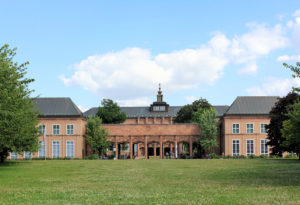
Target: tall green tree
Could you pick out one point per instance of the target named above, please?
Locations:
(110, 112)
(291, 130)
(278, 114)
(185, 114)
(96, 136)
(18, 120)
(206, 119)
(296, 72)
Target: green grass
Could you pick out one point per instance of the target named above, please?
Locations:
(245, 181)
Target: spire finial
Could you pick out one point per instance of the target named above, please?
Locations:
(159, 86)
(159, 95)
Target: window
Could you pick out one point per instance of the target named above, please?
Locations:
(70, 149)
(263, 129)
(250, 128)
(27, 155)
(159, 108)
(42, 130)
(264, 147)
(235, 147)
(13, 155)
(250, 147)
(70, 129)
(55, 149)
(235, 128)
(55, 129)
(42, 149)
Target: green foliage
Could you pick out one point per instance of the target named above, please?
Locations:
(291, 130)
(110, 112)
(296, 70)
(185, 114)
(278, 114)
(18, 120)
(92, 157)
(96, 136)
(206, 119)
(214, 156)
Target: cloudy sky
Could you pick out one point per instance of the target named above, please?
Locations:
(90, 50)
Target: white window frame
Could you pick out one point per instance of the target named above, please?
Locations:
(44, 131)
(30, 156)
(247, 128)
(44, 147)
(16, 154)
(58, 149)
(67, 129)
(265, 128)
(247, 146)
(53, 129)
(73, 148)
(239, 128)
(239, 147)
(266, 141)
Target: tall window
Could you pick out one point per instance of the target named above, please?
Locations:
(70, 129)
(70, 149)
(42, 130)
(263, 129)
(235, 128)
(250, 147)
(235, 147)
(27, 155)
(55, 129)
(13, 155)
(264, 147)
(55, 149)
(250, 128)
(42, 149)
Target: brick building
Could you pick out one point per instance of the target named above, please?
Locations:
(150, 131)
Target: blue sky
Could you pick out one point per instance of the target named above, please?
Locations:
(89, 50)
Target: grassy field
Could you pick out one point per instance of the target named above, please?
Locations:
(243, 181)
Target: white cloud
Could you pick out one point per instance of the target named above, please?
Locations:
(275, 86)
(135, 102)
(294, 26)
(297, 13)
(288, 58)
(134, 72)
(190, 99)
(82, 108)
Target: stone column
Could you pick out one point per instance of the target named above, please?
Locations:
(146, 147)
(160, 149)
(137, 149)
(191, 147)
(131, 148)
(117, 152)
(176, 148)
(154, 148)
(171, 150)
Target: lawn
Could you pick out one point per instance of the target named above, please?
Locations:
(230, 181)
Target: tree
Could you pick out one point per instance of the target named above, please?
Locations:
(291, 130)
(278, 114)
(18, 119)
(185, 114)
(110, 112)
(296, 70)
(206, 119)
(96, 136)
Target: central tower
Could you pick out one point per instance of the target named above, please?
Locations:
(159, 105)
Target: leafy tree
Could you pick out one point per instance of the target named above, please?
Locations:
(296, 70)
(96, 136)
(291, 130)
(18, 120)
(185, 114)
(110, 112)
(206, 119)
(278, 114)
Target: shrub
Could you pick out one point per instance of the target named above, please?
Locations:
(92, 156)
(252, 156)
(214, 156)
(291, 156)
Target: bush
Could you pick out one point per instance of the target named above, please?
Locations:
(291, 156)
(214, 156)
(263, 156)
(92, 157)
(252, 156)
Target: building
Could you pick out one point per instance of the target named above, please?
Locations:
(151, 131)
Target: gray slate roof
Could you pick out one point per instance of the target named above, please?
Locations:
(252, 105)
(56, 107)
(132, 112)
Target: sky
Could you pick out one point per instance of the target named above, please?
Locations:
(121, 50)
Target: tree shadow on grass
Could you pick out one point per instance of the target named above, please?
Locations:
(9, 163)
